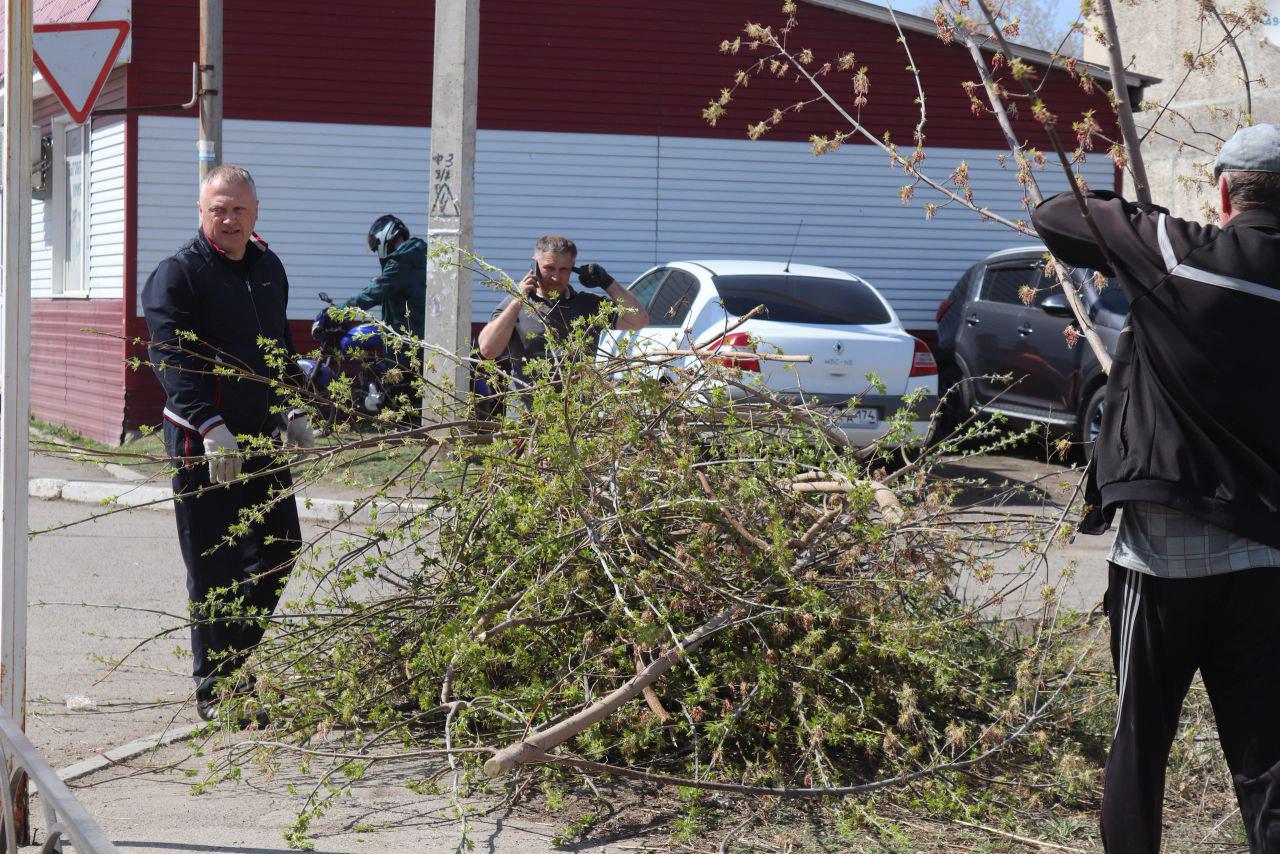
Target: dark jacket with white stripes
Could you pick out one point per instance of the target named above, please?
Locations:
(1192, 417)
(197, 290)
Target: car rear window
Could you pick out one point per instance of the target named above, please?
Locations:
(802, 299)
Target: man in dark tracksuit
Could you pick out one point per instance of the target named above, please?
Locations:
(227, 289)
(1190, 449)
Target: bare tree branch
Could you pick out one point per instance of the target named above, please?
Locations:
(1124, 110)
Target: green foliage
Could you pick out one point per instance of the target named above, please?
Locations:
(539, 557)
(615, 508)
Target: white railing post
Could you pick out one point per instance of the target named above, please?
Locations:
(65, 818)
(16, 371)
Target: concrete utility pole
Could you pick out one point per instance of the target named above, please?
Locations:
(451, 217)
(209, 146)
(18, 69)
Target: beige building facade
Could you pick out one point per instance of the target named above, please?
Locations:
(1204, 107)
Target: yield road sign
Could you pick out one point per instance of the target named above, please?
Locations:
(76, 60)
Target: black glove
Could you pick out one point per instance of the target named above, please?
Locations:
(594, 276)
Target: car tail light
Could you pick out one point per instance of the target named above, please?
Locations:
(922, 362)
(734, 341)
(943, 308)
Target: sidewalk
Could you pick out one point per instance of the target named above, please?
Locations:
(97, 589)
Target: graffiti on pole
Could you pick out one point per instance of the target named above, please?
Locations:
(443, 201)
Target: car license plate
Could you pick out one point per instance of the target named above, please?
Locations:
(858, 418)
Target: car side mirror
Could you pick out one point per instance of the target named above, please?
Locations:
(1055, 305)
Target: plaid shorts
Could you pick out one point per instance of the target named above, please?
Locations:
(1159, 540)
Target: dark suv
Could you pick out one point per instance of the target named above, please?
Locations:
(985, 329)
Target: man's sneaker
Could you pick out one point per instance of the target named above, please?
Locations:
(210, 709)
(207, 709)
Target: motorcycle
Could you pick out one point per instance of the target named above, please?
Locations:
(351, 347)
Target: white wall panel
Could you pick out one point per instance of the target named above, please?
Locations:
(41, 248)
(747, 200)
(629, 202)
(320, 187)
(597, 189)
(106, 211)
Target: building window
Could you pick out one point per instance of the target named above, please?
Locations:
(71, 197)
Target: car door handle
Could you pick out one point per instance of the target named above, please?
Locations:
(972, 320)
(1025, 329)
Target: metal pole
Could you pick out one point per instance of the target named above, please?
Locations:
(17, 373)
(451, 216)
(209, 146)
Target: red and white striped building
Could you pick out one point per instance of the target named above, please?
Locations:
(589, 125)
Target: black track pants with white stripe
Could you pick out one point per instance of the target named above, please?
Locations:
(254, 568)
(1162, 631)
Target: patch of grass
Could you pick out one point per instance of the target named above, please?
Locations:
(145, 454)
(372, 470)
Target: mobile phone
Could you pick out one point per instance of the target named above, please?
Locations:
(533, 268)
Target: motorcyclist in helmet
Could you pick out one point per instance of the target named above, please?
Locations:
(401, 287)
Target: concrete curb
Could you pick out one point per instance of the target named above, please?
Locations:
(125, 752)
(117, 494)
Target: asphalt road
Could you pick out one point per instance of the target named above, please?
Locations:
(97, 590)
(1023, 483)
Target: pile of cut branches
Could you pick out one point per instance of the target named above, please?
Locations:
(655, 568)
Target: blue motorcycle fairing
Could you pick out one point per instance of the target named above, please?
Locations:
(318, 374)
(362, 336)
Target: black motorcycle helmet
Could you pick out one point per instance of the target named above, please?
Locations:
(386, 231)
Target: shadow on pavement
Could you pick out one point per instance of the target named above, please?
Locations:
(1021, 476)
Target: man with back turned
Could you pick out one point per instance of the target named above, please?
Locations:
(1190, 451)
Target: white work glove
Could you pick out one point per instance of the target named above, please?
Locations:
(223, 454)
(298, 432)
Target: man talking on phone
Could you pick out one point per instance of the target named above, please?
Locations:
(525, 327)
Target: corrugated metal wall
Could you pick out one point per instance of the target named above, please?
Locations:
(77, 377)
(629, 202)
(590, 117)
(320, 187)
(582, 66)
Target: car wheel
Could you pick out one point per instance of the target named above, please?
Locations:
(1090, 422)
